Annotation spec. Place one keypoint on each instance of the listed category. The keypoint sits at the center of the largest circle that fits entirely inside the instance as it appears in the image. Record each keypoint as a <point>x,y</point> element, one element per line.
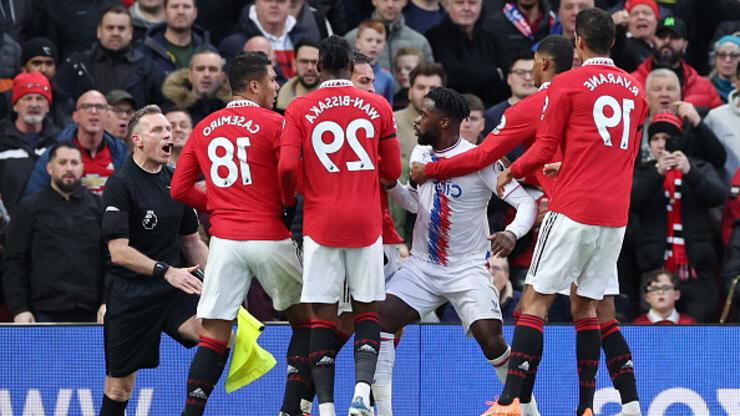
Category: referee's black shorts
<point>137,313</point>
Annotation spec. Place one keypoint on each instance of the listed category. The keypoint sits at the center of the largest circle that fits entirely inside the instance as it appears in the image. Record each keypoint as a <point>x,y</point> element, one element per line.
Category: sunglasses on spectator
<point>728,55</point>
<point>659,289</point>
<point>90,106</point>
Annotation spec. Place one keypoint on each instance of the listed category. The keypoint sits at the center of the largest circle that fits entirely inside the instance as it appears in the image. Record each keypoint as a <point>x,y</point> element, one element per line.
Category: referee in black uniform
<point>152,240</point>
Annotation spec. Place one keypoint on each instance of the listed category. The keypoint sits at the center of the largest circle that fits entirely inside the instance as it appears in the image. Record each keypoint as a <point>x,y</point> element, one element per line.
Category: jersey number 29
<point>227,161</point>
<point>619,114</point>
<point>338,135</point>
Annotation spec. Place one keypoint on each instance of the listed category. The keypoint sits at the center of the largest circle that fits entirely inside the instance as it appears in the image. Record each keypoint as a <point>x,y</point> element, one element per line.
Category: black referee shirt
<point>138,206</point>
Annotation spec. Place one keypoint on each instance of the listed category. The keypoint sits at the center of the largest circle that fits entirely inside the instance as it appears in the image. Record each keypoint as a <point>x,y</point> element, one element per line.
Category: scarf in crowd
<point>676,261</point>
<point>513,15</point>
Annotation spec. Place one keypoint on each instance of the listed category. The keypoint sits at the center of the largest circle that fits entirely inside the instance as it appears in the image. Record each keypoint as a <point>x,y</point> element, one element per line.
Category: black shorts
<point>137,313</point>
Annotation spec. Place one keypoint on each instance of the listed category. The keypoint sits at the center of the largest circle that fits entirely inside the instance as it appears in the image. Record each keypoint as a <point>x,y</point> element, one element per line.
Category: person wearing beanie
<point>24,135</point>
<point>671,198</point>
<point>636,25</point>
<point>726,56</point>
<point>669,50</point>
<point>41,54</point>
<point>112,63</point>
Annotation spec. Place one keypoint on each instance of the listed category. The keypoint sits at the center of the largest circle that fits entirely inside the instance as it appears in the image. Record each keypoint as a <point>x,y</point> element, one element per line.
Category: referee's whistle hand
<point>182,278</point>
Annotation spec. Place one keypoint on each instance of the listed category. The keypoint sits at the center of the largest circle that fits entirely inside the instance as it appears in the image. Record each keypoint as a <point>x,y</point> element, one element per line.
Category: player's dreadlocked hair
<point>335,55</point>
<point>450,103</point>
<point>596,27</point>
<point>246,67</point>
<point>560,50</point>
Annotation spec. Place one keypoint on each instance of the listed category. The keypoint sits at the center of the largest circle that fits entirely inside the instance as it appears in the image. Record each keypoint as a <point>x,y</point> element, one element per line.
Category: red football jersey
<point>347,139</point>
<point>96,169</point>
<point>594,113</point>
<point>518,125</point>
<point>236,149</point>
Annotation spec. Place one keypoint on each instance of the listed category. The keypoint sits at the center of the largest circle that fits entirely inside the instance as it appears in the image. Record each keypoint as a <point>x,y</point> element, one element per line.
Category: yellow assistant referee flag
<point>249,361</point>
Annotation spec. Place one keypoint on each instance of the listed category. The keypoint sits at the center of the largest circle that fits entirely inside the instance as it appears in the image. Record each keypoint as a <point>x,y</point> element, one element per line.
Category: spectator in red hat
<point>636,26</point>
<point>669,48</point>
<point>671,198</point>
<point>24,135</point>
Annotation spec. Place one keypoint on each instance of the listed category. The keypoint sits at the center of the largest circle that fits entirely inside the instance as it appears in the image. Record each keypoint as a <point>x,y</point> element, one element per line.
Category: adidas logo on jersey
<point>198,393</point>
<point>524,366</point>
<point>292,370</point>
<point>368,348</point>
<point>325,360</point>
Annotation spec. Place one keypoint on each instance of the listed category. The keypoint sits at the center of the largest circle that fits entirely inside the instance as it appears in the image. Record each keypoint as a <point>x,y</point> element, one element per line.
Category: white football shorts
<point>569,252</point>
<point>425,286</point>
<point>326,268</point>
<point>231,266</point>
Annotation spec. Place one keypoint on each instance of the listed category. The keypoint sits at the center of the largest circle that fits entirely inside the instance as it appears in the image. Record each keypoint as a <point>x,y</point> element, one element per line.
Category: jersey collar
<point>448,148</point>
<point>336,83</point>
<point>599,61</point>
<point>544,86</point>
<point>242,103</point>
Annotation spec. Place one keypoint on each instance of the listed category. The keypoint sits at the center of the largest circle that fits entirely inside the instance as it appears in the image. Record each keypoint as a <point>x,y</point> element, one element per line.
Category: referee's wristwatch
<point>160,268</point>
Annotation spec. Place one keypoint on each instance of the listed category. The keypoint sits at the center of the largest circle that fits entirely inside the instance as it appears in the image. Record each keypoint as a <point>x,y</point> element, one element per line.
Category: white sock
<point>362,389</point>
<point>632,408</point>
<point>327,409</point>
<point>383,384</point>
<point>530,409</point>
<point>501,365</point>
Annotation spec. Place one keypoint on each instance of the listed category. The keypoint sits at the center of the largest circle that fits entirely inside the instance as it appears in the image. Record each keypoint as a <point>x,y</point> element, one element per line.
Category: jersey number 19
<point>620,114</point>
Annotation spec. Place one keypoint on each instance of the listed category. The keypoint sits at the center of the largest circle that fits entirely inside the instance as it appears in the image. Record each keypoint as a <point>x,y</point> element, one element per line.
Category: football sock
<point>111,407</point>
<point>322,353</point>
<point>619,361</point>
<point>588,340</point>
<point>205,370</point>
<point>526,352</point>
<point>500,364</point>
<point>366,346</point>
<point>383,385</point>
<point>298,383</point>
<point>327,409</point>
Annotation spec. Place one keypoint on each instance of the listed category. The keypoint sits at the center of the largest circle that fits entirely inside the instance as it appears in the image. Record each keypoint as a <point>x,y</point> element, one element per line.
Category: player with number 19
<point>594,114</point>
<point>337,144</point>
<point>237,150</point>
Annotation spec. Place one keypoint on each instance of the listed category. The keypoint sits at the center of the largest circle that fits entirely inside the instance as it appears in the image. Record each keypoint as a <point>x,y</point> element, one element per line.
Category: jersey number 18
<point>227,161</point>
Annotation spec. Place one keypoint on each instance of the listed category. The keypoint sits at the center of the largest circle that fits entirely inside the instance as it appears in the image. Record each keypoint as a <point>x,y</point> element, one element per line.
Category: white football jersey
<point>451,223</point>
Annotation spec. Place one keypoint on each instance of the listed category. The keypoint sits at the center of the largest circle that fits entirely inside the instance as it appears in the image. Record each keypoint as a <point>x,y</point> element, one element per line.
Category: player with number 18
<point>237,150</point>
<point>337,144</point>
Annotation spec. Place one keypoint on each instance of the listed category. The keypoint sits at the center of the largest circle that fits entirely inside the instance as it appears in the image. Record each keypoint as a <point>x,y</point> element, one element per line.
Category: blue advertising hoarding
<point>686,370</point>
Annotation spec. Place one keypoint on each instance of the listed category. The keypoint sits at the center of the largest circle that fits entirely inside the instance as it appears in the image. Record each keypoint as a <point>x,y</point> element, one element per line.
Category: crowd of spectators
<point>72,73</point>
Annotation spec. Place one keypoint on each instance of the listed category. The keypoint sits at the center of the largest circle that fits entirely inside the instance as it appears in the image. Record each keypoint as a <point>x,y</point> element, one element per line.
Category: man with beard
<point>200,89</point>
<point>53,271</point>
<point>668,52</point>
<point>307,74</point>
<point>23,139</point>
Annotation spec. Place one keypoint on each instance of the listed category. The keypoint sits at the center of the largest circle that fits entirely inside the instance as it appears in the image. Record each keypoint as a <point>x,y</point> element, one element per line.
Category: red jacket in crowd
<point>696,89</point>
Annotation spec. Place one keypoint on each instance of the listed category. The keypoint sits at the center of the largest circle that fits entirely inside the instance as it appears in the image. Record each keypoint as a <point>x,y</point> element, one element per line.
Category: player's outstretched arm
<point>182,187</point>
<point>194,249</point>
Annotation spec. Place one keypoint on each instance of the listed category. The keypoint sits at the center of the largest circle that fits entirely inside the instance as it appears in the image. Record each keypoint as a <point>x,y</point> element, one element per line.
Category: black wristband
<point>160,268</point>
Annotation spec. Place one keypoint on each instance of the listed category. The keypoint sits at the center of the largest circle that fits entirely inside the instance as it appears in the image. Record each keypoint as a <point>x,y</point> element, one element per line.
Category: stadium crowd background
<point>100,60</point>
